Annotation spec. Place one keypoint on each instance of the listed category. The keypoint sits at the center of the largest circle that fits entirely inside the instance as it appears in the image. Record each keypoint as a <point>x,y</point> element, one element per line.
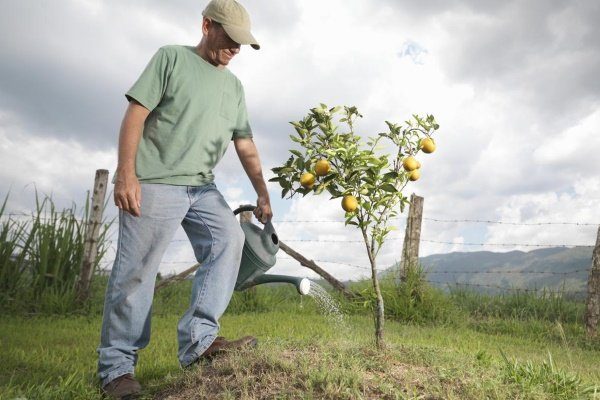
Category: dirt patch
<point>291,373</point>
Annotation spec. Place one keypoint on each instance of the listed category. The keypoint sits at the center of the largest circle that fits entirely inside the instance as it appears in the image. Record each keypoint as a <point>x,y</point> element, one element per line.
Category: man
<point>183,111</point>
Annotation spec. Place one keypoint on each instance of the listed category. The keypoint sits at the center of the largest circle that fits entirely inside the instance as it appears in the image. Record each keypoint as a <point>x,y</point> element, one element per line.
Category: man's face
<point>221,48</point>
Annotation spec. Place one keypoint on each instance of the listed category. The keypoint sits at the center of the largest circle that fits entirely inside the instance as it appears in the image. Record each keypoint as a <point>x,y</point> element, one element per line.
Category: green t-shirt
<point>196,110</point>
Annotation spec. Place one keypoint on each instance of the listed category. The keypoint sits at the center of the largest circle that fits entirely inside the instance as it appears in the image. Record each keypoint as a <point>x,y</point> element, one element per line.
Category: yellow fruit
<point>427,145</point>
<point>418,164</point>
<point>364,191</point>
<point>414,174</point>
<point>410,163</point>
<point>349,203</point>
<point>307,180</point>
<point>322,167</point>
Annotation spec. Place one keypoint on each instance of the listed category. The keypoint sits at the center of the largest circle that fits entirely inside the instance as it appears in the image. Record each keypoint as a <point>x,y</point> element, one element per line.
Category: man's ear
<point>206,23</point>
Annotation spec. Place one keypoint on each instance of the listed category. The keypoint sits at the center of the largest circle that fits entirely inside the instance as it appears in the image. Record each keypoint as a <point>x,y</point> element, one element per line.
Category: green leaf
<point>284,192</point>
<point>296,153</point>
<point>388,188</point>
<point>330,177</point>
<point>390,175</point>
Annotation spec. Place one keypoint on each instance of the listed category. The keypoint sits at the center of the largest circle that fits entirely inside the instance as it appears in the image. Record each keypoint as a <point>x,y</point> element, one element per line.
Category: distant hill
<point>555,268</point>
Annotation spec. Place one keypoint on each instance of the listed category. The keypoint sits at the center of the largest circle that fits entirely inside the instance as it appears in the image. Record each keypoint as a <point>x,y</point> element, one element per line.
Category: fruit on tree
<point>349,203</point>
<point>307,180</point>
<point>322,167</point>
<point>410,163</point>
<point>414,174</point>
<point>427,145</point>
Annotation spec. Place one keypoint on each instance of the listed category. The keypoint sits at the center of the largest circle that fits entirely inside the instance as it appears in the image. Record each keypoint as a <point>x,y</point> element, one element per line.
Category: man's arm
<point>128,196</point>
<point>248,155</point>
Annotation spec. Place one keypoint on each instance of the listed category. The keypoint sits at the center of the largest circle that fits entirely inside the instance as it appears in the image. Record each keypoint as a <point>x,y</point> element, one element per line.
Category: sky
<point>513,84</point>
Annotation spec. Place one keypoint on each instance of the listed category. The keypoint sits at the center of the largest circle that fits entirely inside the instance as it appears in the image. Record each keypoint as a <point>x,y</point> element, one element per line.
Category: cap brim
<point>241,36</point>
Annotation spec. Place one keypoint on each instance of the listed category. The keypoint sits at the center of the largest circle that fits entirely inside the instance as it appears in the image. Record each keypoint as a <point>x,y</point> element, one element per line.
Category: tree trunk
<point>379,307</point>
<point>379,316</point>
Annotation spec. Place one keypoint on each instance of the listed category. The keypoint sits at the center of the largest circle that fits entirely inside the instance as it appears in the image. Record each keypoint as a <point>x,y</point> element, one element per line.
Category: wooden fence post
<point>246,216</point>
<point>592,313</point>
<point>90,249</point>
<point>412,236</point>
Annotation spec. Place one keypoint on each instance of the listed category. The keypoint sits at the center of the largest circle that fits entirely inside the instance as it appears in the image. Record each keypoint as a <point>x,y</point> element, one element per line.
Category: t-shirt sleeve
<point>242,127</point>
<point>152,83</point>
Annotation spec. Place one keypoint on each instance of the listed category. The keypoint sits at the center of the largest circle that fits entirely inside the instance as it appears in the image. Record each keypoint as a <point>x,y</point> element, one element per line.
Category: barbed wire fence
<point>106,264</point>
<point>410,255</point>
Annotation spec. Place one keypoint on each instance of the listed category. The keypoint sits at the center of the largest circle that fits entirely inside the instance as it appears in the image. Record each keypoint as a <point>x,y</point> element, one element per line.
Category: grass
<point>40,257</point>
<point>302,355</point>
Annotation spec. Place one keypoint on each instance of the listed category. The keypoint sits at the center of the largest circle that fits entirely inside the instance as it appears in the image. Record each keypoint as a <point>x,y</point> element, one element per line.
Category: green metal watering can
<point>258,256</point>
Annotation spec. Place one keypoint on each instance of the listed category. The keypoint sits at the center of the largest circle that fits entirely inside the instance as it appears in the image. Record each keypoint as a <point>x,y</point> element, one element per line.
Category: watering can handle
<point>245,207</point>
<point>249,207</point>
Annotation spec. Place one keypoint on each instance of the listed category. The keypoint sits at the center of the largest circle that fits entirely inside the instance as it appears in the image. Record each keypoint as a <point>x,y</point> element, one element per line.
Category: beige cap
<point>234,18</point>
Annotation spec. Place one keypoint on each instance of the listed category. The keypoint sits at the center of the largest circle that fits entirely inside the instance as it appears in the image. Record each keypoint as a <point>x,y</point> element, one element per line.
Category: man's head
<point>225,26</point>
<point>216,46</point>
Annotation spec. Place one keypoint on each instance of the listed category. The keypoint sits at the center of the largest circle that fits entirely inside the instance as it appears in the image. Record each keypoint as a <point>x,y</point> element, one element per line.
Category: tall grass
<point>549,306</point>
<point>546,378</point>
<point>412,300</point>
<point>40,257</point>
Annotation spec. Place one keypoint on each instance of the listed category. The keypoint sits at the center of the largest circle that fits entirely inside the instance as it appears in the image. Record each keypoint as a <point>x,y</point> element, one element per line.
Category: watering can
<point>258,256</point>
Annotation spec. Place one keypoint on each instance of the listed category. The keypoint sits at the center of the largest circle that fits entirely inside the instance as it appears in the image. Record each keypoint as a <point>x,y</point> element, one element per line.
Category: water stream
<point>329,306</point>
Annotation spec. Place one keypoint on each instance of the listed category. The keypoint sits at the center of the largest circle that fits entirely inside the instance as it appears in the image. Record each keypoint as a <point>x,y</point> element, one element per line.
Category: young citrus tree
<point>335,159</point>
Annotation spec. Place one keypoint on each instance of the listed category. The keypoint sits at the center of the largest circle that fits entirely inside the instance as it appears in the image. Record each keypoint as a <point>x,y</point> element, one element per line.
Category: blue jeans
<point>217,240</point>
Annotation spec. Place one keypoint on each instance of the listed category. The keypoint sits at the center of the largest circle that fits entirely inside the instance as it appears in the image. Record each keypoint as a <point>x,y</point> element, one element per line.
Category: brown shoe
<point>221,345</point>
<point>123,387</point>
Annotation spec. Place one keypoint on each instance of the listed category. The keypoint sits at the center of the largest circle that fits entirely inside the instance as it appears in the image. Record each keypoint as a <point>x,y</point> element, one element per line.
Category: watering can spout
<point>258,256</point>
<point>302,284</point>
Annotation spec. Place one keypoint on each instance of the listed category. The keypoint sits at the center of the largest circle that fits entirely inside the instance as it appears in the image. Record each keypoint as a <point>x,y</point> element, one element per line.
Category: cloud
<point>512,84</point>
<point>578,206</point>
<point>63,169</point>
<point>544,54</point>
<point>413,50</point>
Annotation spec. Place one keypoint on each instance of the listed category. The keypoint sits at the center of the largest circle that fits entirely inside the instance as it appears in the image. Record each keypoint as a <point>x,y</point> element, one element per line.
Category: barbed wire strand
<point>545,290</point>
<point>443,282</point>
<point>432,219</point>
<point>402,238</point>
<point>486,221</point>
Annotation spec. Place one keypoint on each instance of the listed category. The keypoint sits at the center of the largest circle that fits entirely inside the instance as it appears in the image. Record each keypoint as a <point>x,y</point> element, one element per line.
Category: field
<point>303,354</point>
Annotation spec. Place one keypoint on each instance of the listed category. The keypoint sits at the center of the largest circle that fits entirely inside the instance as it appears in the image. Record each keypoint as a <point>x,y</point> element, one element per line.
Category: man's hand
<point>263,211</point>
<point>128,193</point>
